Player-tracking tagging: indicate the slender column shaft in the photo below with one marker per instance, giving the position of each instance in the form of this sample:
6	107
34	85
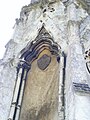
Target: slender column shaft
61	87
14	100
21	95
19	91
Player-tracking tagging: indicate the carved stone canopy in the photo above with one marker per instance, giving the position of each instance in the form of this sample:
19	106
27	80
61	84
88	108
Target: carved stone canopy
43	41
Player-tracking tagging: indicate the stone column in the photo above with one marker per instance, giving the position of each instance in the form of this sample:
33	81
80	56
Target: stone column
61	90
77	99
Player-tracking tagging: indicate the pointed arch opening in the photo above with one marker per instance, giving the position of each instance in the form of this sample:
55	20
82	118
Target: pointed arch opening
36	96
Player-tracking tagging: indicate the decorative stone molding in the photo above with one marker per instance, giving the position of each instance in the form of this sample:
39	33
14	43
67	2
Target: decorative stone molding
43	41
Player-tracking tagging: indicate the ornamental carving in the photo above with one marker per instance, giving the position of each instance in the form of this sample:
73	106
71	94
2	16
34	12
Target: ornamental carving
87	58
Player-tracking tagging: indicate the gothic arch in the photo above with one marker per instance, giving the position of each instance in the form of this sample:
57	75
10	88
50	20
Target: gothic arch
36	93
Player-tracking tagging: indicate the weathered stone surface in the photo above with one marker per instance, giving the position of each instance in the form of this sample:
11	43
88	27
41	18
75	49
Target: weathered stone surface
7	82
55	18
75	70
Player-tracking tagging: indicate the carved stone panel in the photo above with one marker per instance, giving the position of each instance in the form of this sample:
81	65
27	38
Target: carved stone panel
44	62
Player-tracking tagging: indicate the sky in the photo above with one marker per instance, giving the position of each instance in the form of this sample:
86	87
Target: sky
9	11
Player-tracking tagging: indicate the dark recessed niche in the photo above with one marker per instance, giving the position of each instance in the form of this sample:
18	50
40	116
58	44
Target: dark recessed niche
44	10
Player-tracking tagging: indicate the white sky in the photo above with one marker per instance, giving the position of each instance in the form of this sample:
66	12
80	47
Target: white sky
9	11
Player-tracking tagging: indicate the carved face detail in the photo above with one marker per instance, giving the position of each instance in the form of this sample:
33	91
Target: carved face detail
44	62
